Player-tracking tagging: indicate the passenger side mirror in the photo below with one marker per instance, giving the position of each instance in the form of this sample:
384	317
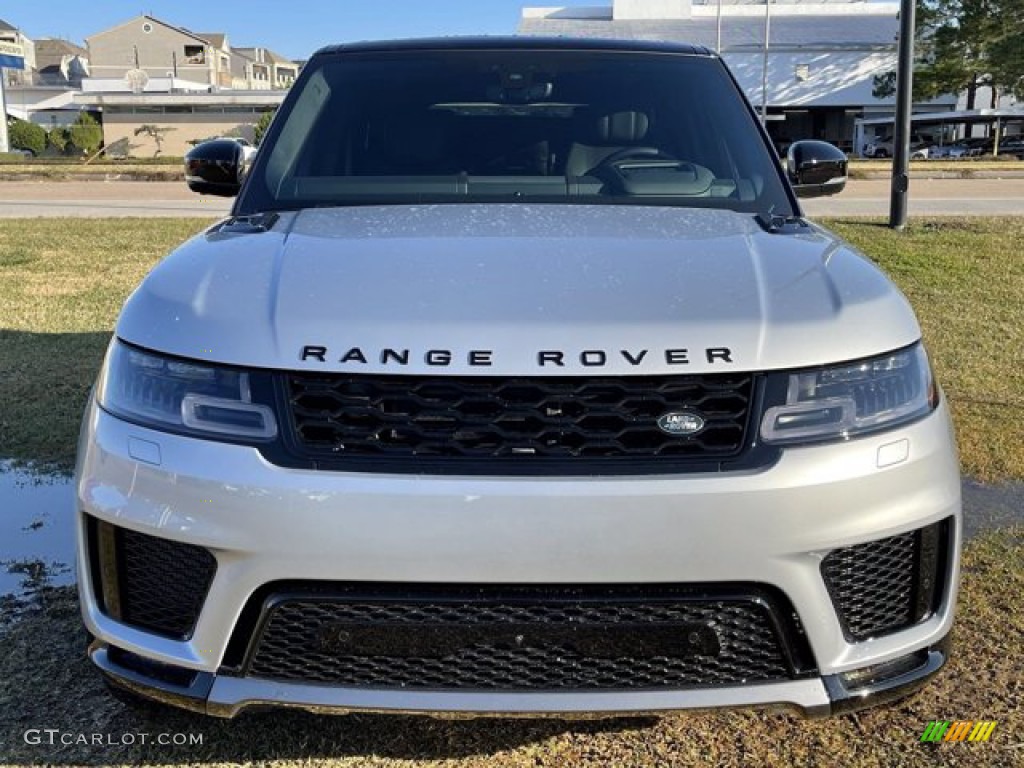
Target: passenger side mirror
816	168
215	167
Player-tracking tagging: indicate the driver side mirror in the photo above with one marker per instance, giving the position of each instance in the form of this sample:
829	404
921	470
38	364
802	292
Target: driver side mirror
816	168
215	167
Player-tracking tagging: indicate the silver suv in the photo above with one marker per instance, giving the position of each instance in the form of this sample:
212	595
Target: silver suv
517	382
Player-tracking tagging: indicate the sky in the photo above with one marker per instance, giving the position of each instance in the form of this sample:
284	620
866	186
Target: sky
292	28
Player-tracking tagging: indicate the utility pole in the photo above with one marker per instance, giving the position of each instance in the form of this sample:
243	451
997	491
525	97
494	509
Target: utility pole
904	106
4	143
718	39
764	63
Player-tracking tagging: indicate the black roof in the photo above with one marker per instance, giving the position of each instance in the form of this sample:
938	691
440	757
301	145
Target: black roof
511	42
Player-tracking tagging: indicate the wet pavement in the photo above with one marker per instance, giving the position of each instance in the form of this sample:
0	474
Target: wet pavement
37	544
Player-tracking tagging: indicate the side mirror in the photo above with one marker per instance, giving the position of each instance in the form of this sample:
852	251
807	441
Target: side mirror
816	168
215	167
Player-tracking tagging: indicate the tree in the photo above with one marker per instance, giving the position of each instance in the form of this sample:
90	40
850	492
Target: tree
86	134
156	133
964	45
260	129
25	135
1008	50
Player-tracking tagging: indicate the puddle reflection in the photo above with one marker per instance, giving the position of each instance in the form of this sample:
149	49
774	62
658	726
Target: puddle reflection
37	541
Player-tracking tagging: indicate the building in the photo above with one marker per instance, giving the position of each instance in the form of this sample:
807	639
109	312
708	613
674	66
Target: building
156	49
149	77
182	119
60	63
269	67
813	78
11	34
42	93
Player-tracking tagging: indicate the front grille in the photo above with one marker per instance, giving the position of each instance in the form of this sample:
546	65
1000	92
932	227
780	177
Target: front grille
533	422
886	585
150	582
526	639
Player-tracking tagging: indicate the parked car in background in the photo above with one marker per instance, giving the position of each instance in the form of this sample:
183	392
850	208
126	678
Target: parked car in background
919	144
947	151
1012	147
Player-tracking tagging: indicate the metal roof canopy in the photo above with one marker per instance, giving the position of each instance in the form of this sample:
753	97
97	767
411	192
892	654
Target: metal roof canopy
971	116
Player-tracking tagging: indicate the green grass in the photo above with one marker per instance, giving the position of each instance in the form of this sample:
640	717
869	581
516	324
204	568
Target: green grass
62	284
45	682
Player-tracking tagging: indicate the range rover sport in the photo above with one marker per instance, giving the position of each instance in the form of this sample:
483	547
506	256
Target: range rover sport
516	382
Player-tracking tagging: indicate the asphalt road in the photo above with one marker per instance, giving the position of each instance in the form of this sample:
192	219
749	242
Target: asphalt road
928	197
931	197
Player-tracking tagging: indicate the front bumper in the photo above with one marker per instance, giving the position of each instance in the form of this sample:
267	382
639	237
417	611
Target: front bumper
221	696
266	524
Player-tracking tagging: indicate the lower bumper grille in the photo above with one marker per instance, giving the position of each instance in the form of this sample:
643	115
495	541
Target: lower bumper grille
883	586
527	639
149	582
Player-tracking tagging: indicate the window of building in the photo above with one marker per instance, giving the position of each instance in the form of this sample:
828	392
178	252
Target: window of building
195	54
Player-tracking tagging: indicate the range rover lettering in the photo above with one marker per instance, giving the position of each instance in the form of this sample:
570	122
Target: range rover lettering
517	382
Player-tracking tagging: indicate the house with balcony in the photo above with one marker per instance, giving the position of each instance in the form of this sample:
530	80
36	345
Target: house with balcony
150	48
269	69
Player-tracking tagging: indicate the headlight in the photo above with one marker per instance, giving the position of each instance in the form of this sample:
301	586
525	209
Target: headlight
184	396
850	399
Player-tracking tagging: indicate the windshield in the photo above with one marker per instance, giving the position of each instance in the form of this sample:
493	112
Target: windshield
502	125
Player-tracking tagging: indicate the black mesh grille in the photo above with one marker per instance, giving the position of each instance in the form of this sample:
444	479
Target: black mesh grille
530	639
519	420
162	583
886	585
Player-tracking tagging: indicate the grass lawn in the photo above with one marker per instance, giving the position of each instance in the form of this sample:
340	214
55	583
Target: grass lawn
63	282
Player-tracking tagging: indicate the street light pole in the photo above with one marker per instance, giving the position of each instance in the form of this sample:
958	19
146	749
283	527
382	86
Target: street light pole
718	39
764	63
904	105
4	143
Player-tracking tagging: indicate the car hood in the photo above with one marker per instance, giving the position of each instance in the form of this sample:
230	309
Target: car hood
517	289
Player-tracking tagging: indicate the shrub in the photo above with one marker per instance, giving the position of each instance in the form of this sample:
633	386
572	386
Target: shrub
261	126
23	135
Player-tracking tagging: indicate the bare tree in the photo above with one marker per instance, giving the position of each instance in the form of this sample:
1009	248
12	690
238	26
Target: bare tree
156	132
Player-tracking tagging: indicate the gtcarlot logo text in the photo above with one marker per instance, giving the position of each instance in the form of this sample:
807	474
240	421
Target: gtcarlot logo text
55	737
